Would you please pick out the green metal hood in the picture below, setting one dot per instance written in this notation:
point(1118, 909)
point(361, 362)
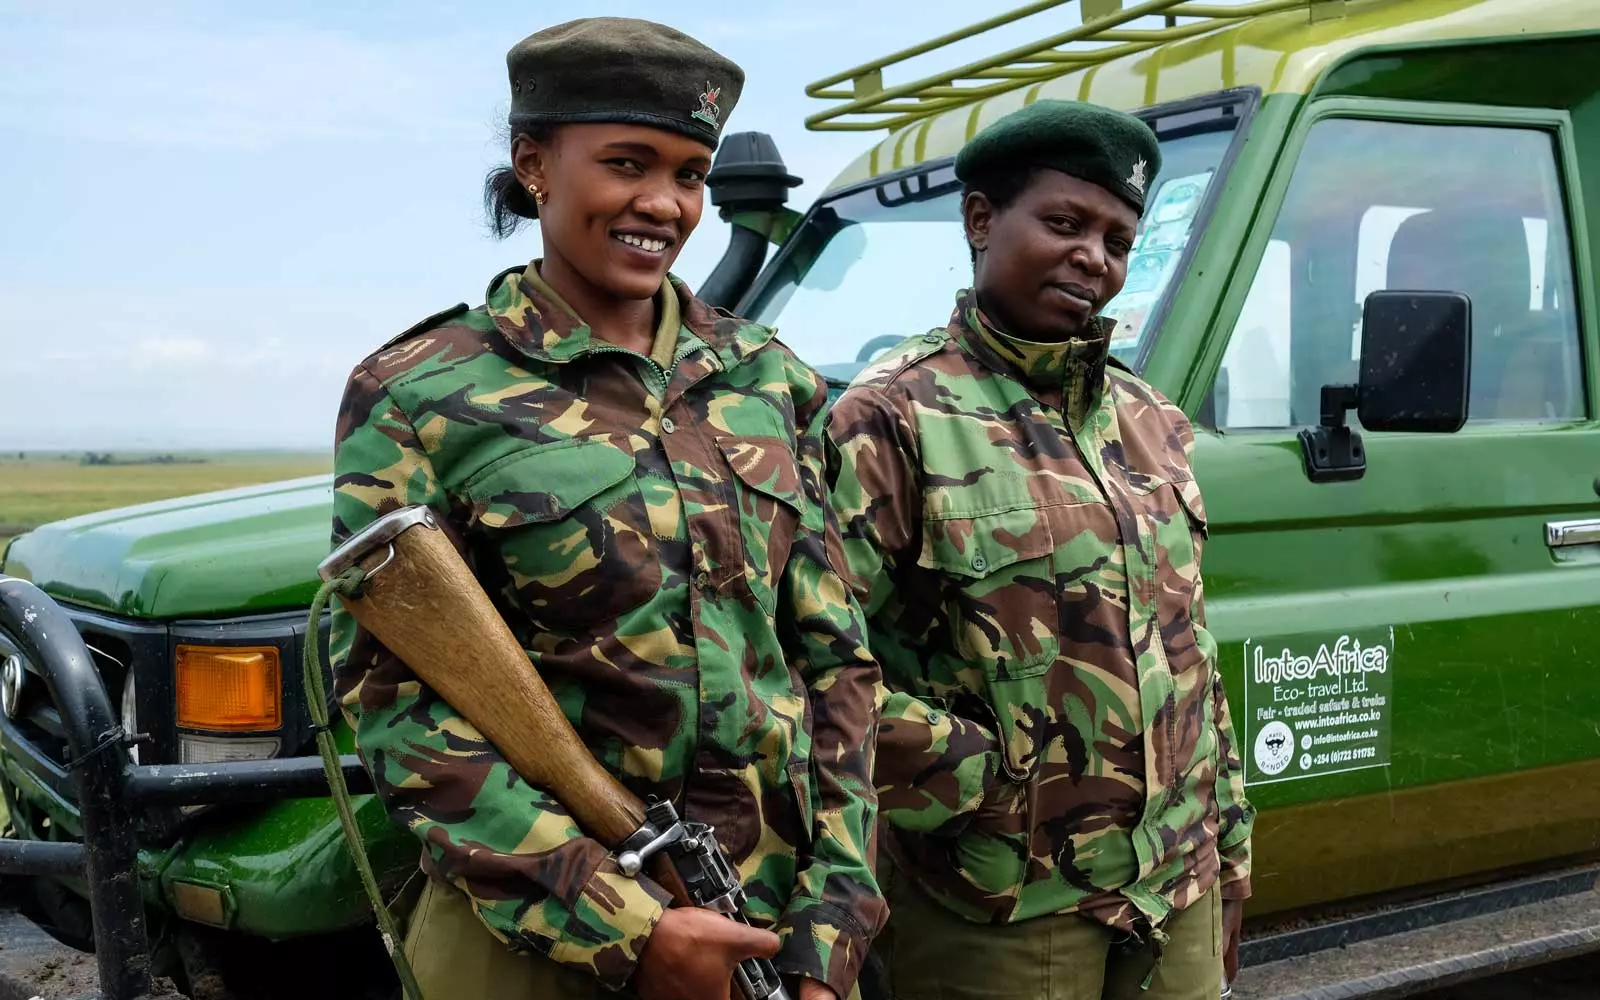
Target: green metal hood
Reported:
point(212, 555)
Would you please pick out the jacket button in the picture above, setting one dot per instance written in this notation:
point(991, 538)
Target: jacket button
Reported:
point(979, 563)
point(702, 580)
point(931, 338)
point(667, 426)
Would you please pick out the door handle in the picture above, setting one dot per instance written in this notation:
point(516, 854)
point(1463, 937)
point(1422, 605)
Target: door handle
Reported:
point(1563, 533)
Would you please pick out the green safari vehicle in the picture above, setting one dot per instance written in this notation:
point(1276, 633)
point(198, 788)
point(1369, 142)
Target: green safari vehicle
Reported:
point(1407, 618)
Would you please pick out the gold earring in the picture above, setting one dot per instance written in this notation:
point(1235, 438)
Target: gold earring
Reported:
point(539, 197)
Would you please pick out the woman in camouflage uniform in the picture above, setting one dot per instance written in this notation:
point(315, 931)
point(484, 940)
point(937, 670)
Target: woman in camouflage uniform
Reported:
point(637, 481)
point(1065, 808)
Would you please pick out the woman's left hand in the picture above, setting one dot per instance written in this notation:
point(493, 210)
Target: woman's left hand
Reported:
point(1232, 923)
point(810, 989)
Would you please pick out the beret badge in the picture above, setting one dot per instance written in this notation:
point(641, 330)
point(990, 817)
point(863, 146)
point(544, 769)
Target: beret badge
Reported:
point(1136, 180)
point(708, 111)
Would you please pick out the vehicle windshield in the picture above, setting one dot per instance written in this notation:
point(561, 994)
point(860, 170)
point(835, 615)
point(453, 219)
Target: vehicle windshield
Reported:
point(875, 265)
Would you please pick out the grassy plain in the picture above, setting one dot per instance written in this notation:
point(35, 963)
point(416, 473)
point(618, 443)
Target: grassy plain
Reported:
point(36, 487)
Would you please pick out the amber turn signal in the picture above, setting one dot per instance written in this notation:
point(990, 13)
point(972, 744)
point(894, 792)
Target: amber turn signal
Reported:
point(229, 688)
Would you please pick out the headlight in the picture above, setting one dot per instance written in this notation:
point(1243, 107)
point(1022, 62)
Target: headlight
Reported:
point(224, 750)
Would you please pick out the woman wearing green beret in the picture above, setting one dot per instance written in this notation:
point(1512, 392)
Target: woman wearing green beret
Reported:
point(637, 481)
point(1065, 806)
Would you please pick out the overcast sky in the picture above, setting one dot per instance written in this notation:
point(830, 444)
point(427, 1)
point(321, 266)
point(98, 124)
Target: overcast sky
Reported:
point(210, 211)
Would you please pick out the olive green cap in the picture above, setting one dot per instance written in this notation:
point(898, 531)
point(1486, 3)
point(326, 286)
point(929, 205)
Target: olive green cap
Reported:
point(1110, 148)
point(623, 70)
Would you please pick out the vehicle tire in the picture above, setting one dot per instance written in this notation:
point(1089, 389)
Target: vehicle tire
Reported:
point(63, 914)
point(200, 955)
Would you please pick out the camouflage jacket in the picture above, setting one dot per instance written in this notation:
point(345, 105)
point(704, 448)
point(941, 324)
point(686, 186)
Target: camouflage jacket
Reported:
point(655, 538)
point(1024, 533)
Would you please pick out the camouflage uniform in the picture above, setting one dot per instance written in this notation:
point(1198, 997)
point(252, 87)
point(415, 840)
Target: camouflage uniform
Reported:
point(1024, 532)
point(654, 534)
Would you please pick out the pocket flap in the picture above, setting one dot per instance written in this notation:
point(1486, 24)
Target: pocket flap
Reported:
point(977, 546)
point(765, 465)
point(1189, 496)
point(545, 483)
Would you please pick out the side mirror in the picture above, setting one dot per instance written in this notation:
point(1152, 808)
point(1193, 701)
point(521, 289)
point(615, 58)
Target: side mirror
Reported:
point(1416, 370)
point(1416, 361)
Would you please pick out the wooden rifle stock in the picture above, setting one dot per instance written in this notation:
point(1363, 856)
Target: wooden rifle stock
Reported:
point(422, 602)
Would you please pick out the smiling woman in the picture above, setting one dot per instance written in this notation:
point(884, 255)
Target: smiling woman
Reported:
point(637, 481)
point(629, 196)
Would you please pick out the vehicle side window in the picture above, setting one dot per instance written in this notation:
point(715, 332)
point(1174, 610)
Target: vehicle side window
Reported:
point(1376, 205)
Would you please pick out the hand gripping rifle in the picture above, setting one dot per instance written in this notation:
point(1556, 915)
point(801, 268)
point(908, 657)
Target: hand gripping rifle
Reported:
point(404, 581)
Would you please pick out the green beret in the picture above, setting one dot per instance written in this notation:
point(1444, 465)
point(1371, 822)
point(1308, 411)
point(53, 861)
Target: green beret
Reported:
point(619, 69)
point(1110, 148)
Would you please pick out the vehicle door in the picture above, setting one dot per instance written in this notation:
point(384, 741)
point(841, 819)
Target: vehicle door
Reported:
point(1417, 645)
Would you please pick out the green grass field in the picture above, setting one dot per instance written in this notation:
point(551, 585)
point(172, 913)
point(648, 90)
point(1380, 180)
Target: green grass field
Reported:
point(40, 487)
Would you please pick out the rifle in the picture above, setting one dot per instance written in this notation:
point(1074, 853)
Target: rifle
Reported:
point(406, 584)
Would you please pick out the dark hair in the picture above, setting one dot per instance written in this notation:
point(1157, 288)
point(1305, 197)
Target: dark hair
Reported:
point(505, 201)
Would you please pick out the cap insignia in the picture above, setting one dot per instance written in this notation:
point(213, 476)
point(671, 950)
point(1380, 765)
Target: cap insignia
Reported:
point(708, 111)
point(1136, 179)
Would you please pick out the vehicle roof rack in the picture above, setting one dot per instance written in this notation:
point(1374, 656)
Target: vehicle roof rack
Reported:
point(868, 105)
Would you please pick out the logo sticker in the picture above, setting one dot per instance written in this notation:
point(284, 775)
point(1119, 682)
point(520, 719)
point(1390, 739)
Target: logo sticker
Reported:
point(1136, 179)
point(708, 111)
point(1274, 748)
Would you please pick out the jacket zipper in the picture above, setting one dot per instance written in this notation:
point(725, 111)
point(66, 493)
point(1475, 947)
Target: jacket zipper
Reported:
point(655, 369)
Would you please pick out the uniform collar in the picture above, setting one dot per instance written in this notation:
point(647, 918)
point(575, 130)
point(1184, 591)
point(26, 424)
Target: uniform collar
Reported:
point(536, 321)
point(1069, 376)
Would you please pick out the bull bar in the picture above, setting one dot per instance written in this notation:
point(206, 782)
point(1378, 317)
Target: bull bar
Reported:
point(110, 788)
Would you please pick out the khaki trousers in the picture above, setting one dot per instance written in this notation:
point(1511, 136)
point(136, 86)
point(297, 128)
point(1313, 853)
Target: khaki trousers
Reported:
point(929, 953)
point(454, 957)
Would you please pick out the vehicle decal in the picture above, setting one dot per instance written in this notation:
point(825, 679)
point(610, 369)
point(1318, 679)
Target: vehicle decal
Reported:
point(1317, 704)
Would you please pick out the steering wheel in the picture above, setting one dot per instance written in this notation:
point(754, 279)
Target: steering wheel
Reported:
point(877, 344)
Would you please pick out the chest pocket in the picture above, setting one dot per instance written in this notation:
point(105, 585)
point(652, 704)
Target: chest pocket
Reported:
point(1001, 588)
point(767, 488)
point(571, 529)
